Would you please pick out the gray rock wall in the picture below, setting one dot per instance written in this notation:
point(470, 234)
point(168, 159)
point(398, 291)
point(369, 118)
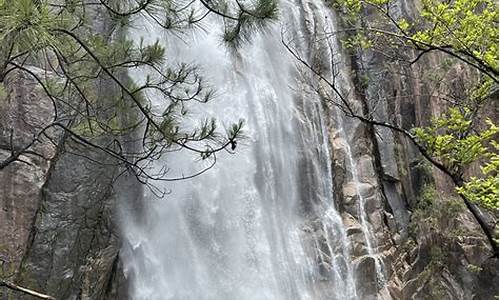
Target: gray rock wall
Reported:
point(58, 217)
point(431, 245)
point(22, 111)
point(58, 224)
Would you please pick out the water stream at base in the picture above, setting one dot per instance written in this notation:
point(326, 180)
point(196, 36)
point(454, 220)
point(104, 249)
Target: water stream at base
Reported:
point(262, 224)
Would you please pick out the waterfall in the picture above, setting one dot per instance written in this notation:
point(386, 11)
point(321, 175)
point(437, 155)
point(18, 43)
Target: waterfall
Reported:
point(261, 224)
point(342, 124)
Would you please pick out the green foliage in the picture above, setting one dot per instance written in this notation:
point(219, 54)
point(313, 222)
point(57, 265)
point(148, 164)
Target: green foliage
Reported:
point(86, 70)
point(432, 212)
point(357, 40)
point(484, 191)
point(28, 23)
point(451, 140)
point(466, 31)
point(250, 19)
point(473, 268)
point(434, 224)
point(466, 28)
point(152, 54)
point(469, 26)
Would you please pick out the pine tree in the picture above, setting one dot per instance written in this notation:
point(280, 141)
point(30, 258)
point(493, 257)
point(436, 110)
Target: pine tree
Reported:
point(77, 55)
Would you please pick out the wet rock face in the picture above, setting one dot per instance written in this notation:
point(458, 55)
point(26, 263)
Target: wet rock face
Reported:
point(57, 216)
point(58, 223)
point(58, 227)
point(74, 244)
point(448, 260)
point(23, 111)
point(366, 277)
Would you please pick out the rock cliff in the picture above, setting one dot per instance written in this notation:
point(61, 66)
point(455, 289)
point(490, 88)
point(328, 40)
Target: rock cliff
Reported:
point(431, 246)
point(58, 214)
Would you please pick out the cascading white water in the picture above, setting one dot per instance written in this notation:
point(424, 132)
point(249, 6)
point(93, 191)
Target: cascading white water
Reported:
point(262, 224)
point(365, 224)
point(332, 49)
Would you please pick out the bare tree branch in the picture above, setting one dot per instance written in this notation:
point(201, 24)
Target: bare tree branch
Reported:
point(349, 111)
point(15, 287)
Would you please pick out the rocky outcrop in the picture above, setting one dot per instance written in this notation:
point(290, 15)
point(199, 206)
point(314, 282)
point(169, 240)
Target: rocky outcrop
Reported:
point(58, 222)
point(73, 248)
point(23, 111)
point(58, 216)
point(431, 246)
